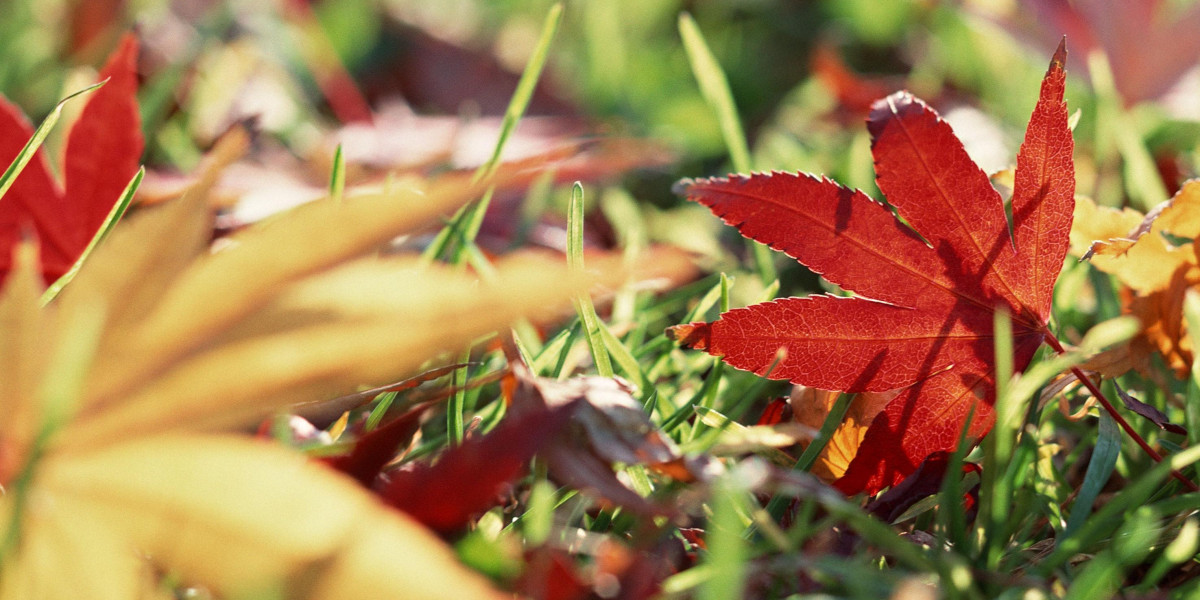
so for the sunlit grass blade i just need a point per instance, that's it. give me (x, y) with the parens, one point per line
(114, 216)
(625, 360)
(996, 485)
(952, 510)
(708, 390)
(39, 135)
(714, 86)
(337, 175)
(525, 87)
(727, 551)
(1191, 312)
(837, 413)
(583, 303)
(463, 227)
(1142, 180)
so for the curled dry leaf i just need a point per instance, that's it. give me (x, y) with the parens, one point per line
(115, 395)
(1149, 412)
(1155, 257)
(607, 427)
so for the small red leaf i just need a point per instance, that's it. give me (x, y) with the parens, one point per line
(922, 483)
(778, 411)
(467, 479)
(33, 200)
(377, 448)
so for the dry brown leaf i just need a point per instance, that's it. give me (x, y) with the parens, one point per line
(1140, 256)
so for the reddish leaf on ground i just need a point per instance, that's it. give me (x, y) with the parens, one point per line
(922, 483)
(468, 478)
(777, 411)
(102, 154)
(609, 427)
(376, 448)
(925, 298)
(1149, 45)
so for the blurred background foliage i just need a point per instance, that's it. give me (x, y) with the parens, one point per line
(803, 74)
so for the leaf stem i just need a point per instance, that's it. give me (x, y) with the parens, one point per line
(1095, 390)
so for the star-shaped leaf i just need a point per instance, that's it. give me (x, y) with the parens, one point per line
(928, 271)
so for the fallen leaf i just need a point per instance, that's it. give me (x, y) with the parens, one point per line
(1148, 44)
(1155, 257)
(925, 298)
(811, 407)
(608, 427)
(102, 153)
(1142, 257)
(469, 477)
(855, 93)
(922, 483)
(122, 410)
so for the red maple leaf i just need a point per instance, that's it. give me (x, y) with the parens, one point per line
(101, 157)
(925, 293)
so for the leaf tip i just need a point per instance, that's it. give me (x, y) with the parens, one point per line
(1059, 60)
(693, 335)
(682, 186)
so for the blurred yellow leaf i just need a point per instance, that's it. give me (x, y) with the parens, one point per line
(116, 393)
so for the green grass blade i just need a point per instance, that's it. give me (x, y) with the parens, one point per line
(337, 175)
(39, 135)
(524, 92)
(1191, 312)
(836, 414)
(456, 404)
(727, 551)
(714, 87)
(1106, 520)
(114, 215)
(625, 360)
(583, 302)
(996, 488)
(1141, 178)
(463, 227)
(1100, 468)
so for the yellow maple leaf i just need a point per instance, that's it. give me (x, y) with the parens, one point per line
(118, 453)
(1154, 256)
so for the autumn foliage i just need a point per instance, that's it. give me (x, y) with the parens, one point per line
(343, 346)
(102, 154)
(925, 290)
